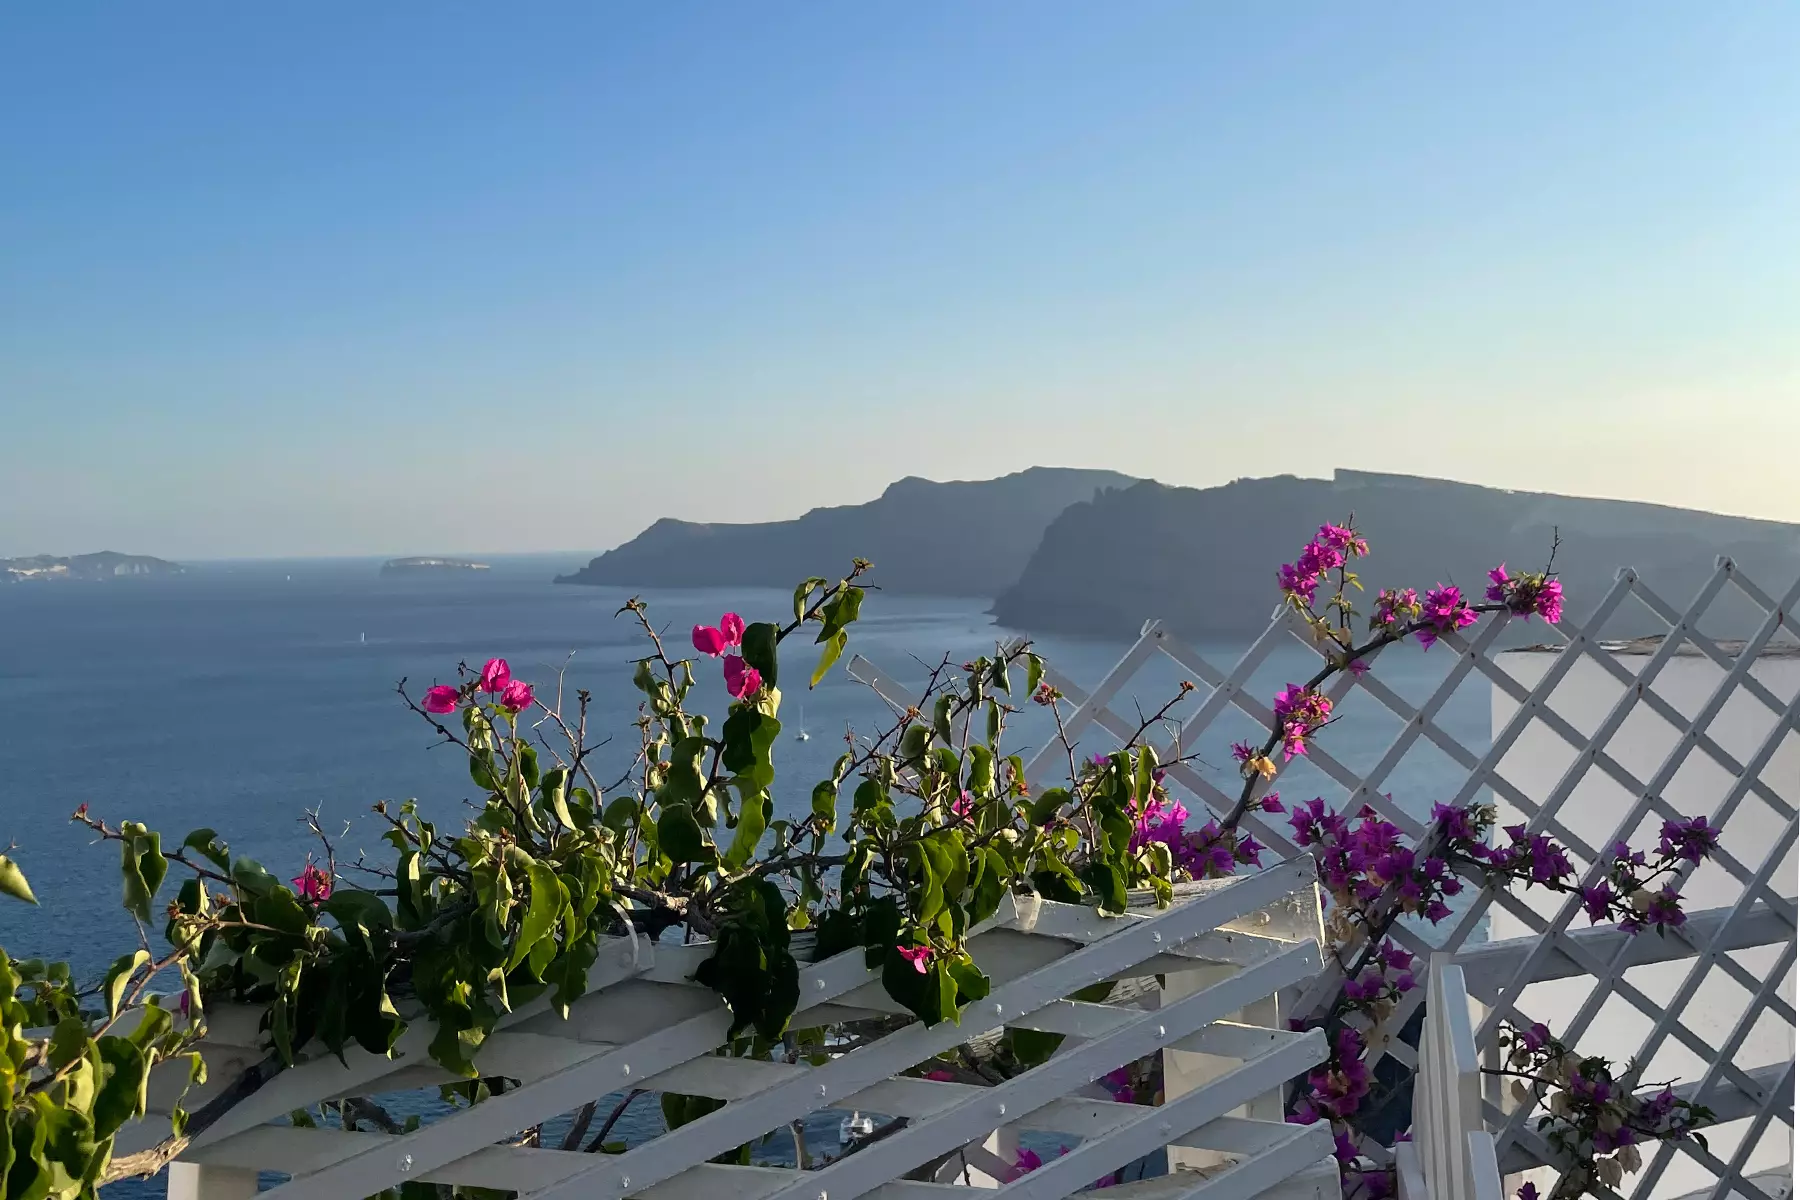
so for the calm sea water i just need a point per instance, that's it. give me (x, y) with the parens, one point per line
(242, 694)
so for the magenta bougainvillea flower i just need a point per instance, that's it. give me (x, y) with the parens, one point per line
(441, 699)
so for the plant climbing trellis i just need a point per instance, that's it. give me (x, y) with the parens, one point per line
(1759, 917)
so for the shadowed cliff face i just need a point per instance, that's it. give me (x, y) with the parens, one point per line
(1205, 560)
(954, 539)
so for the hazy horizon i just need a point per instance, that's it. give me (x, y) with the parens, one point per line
(277, 284)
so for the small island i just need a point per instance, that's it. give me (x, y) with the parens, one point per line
(415, 566)
(107, 564)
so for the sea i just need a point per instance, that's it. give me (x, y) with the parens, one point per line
(241, 696)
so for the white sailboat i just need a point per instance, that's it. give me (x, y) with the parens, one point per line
(802, 736)
(855, 1126)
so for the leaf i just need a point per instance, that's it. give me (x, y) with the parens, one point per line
(802, 593)
(834, 646)
(753, 821)
(679, 834)
(119, 975)
(1048, 803)
(141, 868)
(123, 1095)
(759, 650)
(541, 911)
(12, 881)
(840, 611)
(824, 803)
(1034, 673)
(749, 746)
(208, 844)
(552, 790)
(68, 1042)
(481, 770)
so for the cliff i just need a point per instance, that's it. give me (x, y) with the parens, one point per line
(957, 539)
(107, 564)
(1205, 559)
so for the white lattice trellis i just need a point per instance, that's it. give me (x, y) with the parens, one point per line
(1717, 942)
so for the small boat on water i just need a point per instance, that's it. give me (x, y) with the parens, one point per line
(855, 1126)
(802, 736)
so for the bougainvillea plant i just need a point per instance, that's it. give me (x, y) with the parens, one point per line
(917, 835)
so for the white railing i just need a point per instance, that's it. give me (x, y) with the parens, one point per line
(1451, 1156)
(645, 1024)
(1593, 742)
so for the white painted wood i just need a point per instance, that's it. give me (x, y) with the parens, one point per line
(190, 1181)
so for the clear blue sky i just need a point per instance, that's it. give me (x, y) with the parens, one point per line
(402, 278)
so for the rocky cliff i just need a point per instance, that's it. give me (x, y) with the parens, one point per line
(1205, 559)
(957, 539)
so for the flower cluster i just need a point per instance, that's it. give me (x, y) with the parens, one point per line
(1209, 852)
(1395, 608)
(1524, 595)
(1444, 611)
(312, 883)
(1639, 892)
(1592, 1116)
(496, 679)
(741, 680)
(1330, 549)
(1361, 858)
(1301, 713)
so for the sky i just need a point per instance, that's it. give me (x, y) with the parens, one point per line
(439, 278)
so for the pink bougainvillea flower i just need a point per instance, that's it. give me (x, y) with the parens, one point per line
(732, 626)
(939, 1075)
(313, 883)
(516, 696)
(740, 680)
(441, 699)
(709, 641)
(964, 804)
(918, 956)
(495, 675)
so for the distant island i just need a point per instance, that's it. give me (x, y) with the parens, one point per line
(1096, 553)
(947, 539)
(415, 566)
(107, 564)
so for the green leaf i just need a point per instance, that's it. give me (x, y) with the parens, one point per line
(141, 868)
(749, 746)
(1047, 804)
(526, 757)
(834, 646)
(481, 770)
(840, 611)
(824, 803)
(759, 650)
(207, 843)
(620, 815)
(68, 1042)
(119, 975)
(541, 911)
(12, 881)
(753, 821)
(552, 789)
(679, 834)
(940, 719)
(1034, 673)
(981, 769)
(990, 887)
(124, 1093)
(803, 593)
